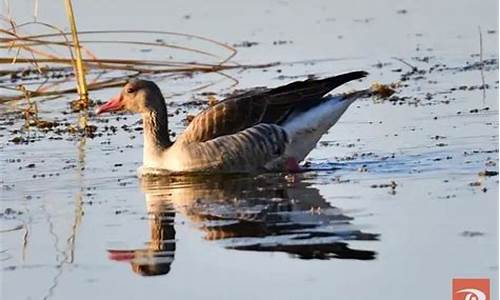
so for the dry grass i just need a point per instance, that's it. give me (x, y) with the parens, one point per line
(43, 63)
(383, 90)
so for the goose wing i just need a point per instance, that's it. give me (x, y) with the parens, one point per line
(271, 106)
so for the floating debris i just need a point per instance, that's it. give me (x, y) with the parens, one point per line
(392, 185)
(245, 44)
(383, 90)
(468, 233)
(487, 173)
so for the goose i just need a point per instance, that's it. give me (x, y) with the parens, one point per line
(261, 130)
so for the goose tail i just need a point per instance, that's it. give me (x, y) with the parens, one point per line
(306, 129)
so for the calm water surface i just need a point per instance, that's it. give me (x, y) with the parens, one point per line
(393, 207)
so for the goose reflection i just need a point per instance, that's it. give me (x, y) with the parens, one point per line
(157, 257)
(264, 213)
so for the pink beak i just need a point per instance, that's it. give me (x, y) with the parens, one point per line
(113, 104)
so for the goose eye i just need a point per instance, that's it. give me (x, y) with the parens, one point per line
(130, 90)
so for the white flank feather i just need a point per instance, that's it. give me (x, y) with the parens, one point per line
(305, 129)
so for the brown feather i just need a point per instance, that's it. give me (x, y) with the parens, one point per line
(271, 106)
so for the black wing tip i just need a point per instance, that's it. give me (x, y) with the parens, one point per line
(340, 79)
(356, 74)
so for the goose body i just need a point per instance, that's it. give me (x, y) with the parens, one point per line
(257, 131)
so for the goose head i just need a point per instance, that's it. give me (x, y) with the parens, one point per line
(137, 96)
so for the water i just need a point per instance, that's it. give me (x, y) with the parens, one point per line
(393, 207)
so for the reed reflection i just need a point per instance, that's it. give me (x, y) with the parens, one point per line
(264, 213)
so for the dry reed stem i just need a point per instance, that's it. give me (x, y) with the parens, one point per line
(232, 50)
(79, 70)
(481, 62)
(406, 63)
(53, 73)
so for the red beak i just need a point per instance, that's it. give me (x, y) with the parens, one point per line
(113, 104)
